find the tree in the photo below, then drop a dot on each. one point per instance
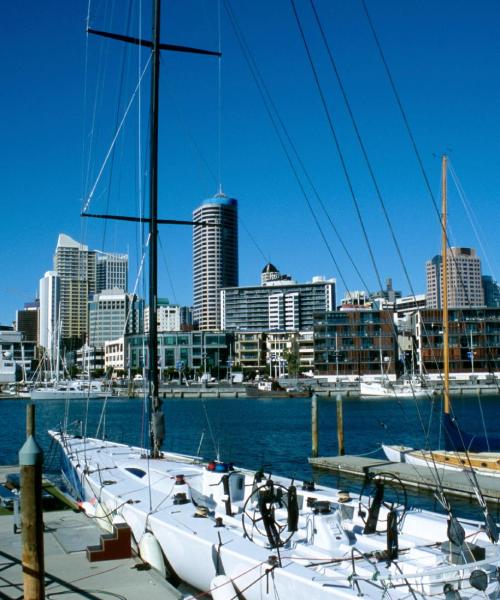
(293, 359)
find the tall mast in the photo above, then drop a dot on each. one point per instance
(444, 286)
(157, 415)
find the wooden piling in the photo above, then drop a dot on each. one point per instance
(31, 462)
(340, 426)
(314, 425)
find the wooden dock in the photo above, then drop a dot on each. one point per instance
(416, 477)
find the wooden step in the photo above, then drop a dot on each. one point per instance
(113, 546)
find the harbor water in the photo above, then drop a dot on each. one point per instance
(256, 432)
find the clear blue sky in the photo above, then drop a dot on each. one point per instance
(444, 58)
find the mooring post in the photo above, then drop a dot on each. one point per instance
(340, 426)
(31, 462)
(314, 425)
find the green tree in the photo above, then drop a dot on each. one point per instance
(293, 359)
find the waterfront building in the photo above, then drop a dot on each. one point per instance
(17, 356)
(250, 351)
(464, 284)
(261, 351)
(410, 304)
(168, 316)
(491, 291)
(112, 313)
(199, 350)
(215, 258)
(76, 266)
(90, 359)
(278, 305)
(358, 342)
(27, 321)
(114, 355)
(48, 322)
(356, 299)
(111, 271)
(474, 340)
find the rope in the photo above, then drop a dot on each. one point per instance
(113, 142)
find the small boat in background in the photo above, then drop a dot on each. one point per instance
(272, 389)
(77, 390)
(387, 389)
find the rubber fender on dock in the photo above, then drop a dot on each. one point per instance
(150, 551)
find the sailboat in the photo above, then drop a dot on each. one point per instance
(234, 533)
(463, 450)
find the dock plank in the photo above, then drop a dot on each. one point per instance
(67, 571)
(419, 477)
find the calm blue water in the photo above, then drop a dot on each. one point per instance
(255, 432)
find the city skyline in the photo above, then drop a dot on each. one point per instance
(442, 76)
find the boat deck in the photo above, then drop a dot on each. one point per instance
(418, 477)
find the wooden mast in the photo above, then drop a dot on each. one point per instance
(444, 286)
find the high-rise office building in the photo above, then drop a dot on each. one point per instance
(112, 314)
(76, 266)
(215, 258)
(111, 271)
(50, 296)
(27, 321)
(491, 291)
(465, 287)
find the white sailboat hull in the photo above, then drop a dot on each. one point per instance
(327, 557)
(486, 464)
(392, 390)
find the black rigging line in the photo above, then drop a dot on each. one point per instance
(412, 139)
(337, 144)
(406, 121)
(362, 146)
(346, 173)
(117, 120)
(169, 274)
(273, 114)
(426, 179)
(372, 175)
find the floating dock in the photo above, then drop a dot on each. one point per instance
(416, 477)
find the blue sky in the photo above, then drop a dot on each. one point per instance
(58, 87)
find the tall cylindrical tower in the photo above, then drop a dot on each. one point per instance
(215, 258)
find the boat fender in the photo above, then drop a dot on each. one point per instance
(293, 509)
(222, 588)
(151, 553)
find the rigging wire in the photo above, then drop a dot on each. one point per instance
(219, 98)
(117, 116)
(336, 141)
(115, 137)
(344, 165)
(273, 115)
(169, 274)
(421, 166)
(363, 150)
(470, 214)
